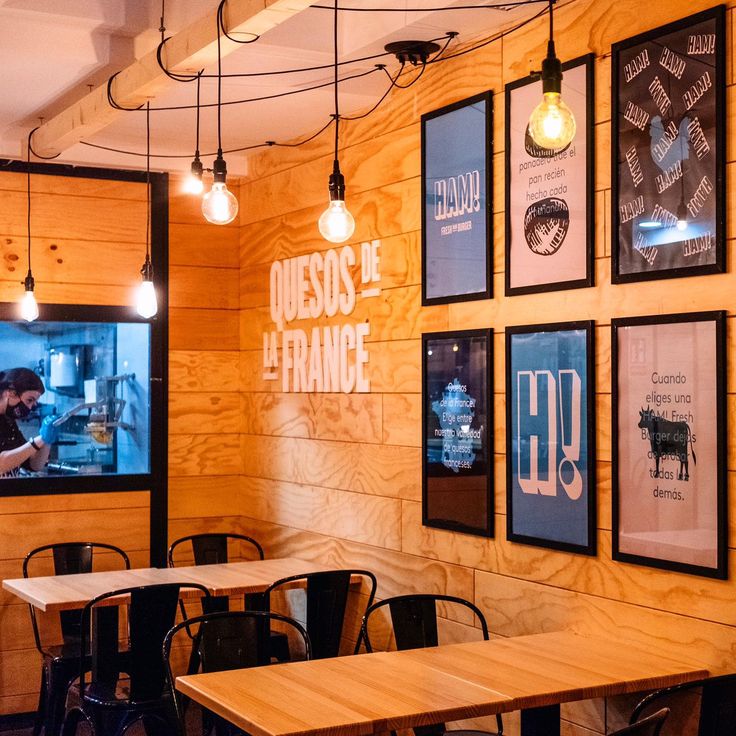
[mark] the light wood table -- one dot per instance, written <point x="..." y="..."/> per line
<point x="60" y="592"/>
<point x="374" y="693"/>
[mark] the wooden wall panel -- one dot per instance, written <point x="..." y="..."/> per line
<point x="298" y="457"/>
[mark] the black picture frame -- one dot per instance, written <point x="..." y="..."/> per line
<point x="482" y="492"/>
<point x="485" y="212"/>
<point x="666" y="463"/>
<point x="156" y="481"/>
<point x="651" y="215"/>
<point x="556" y="508"/>
<point x="585" y="136"/>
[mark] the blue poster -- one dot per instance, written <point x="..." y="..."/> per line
<point x="456" y="223"/>
<point x="549" y="453"/>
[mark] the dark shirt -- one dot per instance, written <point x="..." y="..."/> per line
<point x="10" y="438"/>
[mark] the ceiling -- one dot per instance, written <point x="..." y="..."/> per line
<point x="54" y="51"/>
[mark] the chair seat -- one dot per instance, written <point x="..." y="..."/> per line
<point x="117" y="695"/>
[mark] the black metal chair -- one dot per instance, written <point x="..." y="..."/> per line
<point x="414" y="626"/>
<point x="61" y="661"/>
<point x="226" y="641"/>
<point x="714" y="714"/>
<point x="108" y="702"/>
<point x="326" y="601"/>
<point x="649" y="726"/>
<point x="211" y="548"/>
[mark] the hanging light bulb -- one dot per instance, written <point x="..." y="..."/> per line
<point x="146" y="304"/>
<point x="193" y="184"/>
<point x="28" y="304"/>
<point x="552" y="124"/>
<point x="336" y="224"/>
<point x="219" y="205"/>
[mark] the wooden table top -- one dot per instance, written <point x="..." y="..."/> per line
<point x="59" y="592"/>
<point x="372" y="693"/>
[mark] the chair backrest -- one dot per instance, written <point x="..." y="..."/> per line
<point x="649" y="726"/>
<point x="151" y="613"/>
<point x="70" y="558"/>
<point x="210" y="549"/>
<point x="414" y="619"/>
<point x="229" y="640"/>
<point x="326" y="598"/>
<point x="716" y="715"/>
<point x="414" y="624"/>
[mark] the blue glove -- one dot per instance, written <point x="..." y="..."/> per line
<point x="49" y="433"/>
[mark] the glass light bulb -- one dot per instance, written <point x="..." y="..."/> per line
<point x="193" y="185"/>
<point x="219" y="206"/>
<point x="552" y="124"/>
<point x="29" y="307"/>
<point x="336" y="224"/>
<point x="145" y="303"/>
<point x="682" y="225"/>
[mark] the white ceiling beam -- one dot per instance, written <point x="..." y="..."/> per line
<point x="191" y="49"/>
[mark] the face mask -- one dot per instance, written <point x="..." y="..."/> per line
<point x="19" y="411"/>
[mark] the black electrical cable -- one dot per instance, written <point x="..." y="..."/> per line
<point x="176" y="76"/>
<point x="148" y="182"/>
<point x="196" y="154"/>
<point x="337" y="82"/>
<point x="36" y="155"/>
<point x="219" y="84"/>
<point x="492" y="6"/>
<point x="438" y="58"/>
<point x="221" y="26"/>
<point x="28" y="193"/>
<point x="162" y="27"/>
<point x="111" y="99"/>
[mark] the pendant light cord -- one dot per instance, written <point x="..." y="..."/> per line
<point x="28" y="198"/>
<point x="337" y="97"/>
<point x="551" y="21"/>
<point x="199" y="79"/>
<point x="148" y="181"/>
<point x="219" y="87"/>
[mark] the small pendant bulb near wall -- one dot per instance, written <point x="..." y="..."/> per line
<point x="146" y="304"/>
<point x="219" y="205"/>
<point x="28" y="304"/>
<point x="336" y="224"/>
<point x="552" y="124"/>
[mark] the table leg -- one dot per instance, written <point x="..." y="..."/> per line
<point x="544" y="721"/>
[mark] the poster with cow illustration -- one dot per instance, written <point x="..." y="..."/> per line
<point x="668" y="146"/>
<point x="669" y="442"/>
<point x="550" y="437"/>
<point x="549" y="192"/>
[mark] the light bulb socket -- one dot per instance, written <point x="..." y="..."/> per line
<point x="682" y="211"/>
<point x="30" y="282"/>
<point x="219" y="168"/>
<point x="146" y="269"/>
<point x="551" y="71"/>
<point x="197" y="169"/>
<point x="337" y="183"/>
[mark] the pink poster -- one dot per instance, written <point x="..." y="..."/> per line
<point x="669" y="431"/>
<point x="549" y="229"/>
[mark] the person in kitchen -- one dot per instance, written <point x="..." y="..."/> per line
<point x="20" y="390"/>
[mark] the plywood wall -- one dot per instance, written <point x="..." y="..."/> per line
<point x="338" y="477"/>
<point x="89" y="241"/>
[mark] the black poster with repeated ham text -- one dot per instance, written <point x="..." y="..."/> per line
<point x="668" y="150"/>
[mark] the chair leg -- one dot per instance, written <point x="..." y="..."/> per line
<point x="55" y="704"/>
<point x="38" y="722"/>
<point x="71" y="722"/>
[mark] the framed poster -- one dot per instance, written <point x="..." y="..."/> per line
<point x="549" y="192"/>
<point x="457" y="143"/>
<point x="457" y="431"/>
<point x="550" y="439"/>
<point x="669" y="442"/>
<point x="668" y="149"/>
